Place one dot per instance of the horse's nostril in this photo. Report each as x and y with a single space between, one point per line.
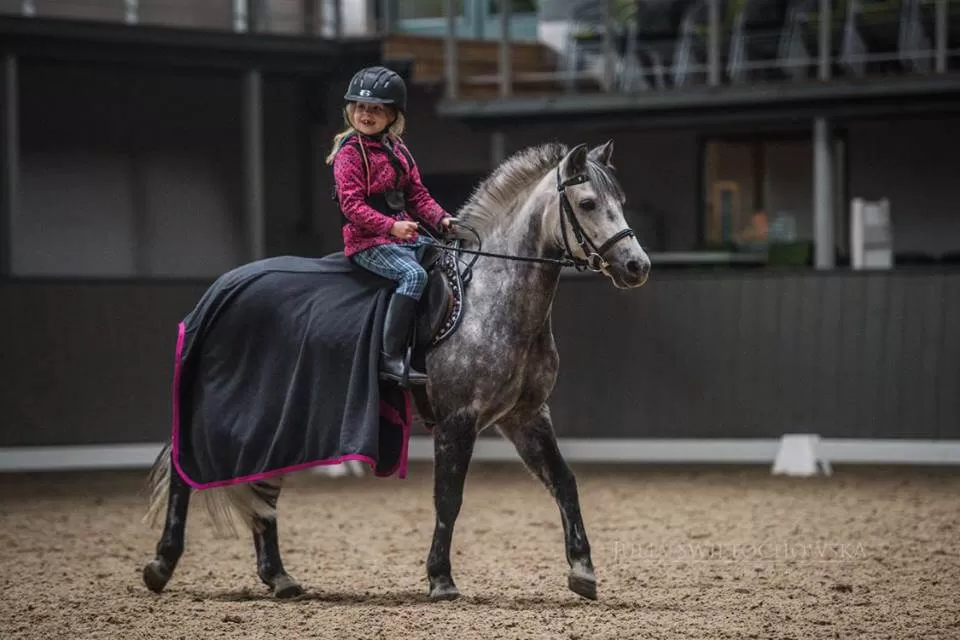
638 268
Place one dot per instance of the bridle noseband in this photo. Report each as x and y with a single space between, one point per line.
595 260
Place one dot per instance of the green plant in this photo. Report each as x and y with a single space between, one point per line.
624 12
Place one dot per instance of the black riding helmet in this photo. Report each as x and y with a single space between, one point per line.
377 84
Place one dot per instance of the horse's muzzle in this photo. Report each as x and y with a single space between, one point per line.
631 272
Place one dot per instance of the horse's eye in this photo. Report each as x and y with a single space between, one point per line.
588 205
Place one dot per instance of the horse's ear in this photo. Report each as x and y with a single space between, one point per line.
602 153
574 163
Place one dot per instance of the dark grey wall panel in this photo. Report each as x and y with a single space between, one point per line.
88 363
750 354
759 354
948 365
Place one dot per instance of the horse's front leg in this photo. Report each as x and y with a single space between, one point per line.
453 441
537 446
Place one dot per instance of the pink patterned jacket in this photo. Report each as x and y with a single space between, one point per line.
366 227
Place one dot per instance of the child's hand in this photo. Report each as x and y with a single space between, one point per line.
404 229
446 222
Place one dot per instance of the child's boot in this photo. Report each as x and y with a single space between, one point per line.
396 337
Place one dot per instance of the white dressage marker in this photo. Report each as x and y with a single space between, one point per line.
799 455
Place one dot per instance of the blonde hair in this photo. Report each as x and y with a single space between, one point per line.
395 130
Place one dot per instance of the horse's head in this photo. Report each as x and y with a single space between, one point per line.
592 225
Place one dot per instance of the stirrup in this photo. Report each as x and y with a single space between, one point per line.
407 368
404 379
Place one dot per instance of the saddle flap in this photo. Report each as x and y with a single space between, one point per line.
441 306
434 307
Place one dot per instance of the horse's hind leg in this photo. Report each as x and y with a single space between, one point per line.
157 572
453 441
537 446
267 544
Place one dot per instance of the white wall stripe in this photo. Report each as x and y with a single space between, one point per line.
705 451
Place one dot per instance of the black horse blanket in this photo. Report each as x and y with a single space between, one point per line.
276 371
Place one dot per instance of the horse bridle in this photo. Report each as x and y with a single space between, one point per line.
594 260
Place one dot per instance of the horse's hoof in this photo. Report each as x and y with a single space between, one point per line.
583 582
285 587
444 589
156 575
583 587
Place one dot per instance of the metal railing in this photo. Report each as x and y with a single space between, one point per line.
623 46
630 46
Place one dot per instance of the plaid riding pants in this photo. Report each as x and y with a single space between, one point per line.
398 262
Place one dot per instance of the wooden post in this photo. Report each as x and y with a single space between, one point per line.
824 40
506 70
450 50
9 158
823 209
713 53
940 29
252 109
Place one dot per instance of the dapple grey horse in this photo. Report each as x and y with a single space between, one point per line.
545 207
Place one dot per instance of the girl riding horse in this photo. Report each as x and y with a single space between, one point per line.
378 187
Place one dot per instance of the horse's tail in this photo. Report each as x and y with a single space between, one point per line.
158 484
250 503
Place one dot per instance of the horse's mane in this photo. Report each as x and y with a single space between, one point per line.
494 196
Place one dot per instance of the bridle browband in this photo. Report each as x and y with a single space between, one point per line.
594 260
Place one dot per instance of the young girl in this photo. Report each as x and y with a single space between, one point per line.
378 186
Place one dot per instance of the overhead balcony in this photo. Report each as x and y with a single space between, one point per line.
495 59
310 18
629 55
314 37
